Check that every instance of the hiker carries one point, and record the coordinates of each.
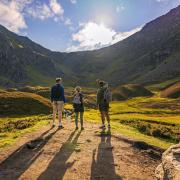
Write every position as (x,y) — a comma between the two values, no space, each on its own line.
(103,99)
(58,100)
(78,106)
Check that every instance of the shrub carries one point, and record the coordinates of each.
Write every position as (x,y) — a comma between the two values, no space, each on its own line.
(168,132)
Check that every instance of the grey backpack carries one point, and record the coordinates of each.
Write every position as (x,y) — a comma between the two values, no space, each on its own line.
(107,95)
(77,99)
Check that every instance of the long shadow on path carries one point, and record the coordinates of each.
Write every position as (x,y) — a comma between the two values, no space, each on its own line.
(20,160)
(59,165)
(103,166)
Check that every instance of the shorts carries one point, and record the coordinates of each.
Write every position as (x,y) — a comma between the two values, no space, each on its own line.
(78,107)
(104,107)
(58,106)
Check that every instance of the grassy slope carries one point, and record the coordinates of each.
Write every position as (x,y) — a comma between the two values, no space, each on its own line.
(36,77)
(164,84)
(135,110)
(20,113)
(124,115)
(11,129)
(132,111)
(129,91)
(21,103)
(172,91)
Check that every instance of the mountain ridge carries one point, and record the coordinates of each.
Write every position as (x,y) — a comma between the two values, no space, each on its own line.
(147,56)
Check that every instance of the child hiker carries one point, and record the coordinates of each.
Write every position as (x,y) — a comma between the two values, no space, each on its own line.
(78,106)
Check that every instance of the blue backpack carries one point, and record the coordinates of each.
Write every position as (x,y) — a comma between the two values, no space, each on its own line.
(57,92)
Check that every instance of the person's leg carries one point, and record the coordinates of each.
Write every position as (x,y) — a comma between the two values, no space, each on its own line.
(76,119)
(103,119)
(60,118)
(107,118)
(82,119)
(60,109)
(54,112)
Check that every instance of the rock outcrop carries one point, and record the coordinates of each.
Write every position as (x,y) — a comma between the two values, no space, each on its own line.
(169,169)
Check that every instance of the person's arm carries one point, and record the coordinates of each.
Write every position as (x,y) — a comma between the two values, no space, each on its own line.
(82,98)
(63,96)
(52,94)
(98,97)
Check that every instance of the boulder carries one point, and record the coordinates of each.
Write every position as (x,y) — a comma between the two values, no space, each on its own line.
(169,169)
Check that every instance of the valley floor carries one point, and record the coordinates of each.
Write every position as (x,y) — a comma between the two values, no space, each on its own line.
(75,155)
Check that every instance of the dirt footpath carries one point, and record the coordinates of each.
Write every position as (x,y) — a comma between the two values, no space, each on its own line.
(75,155)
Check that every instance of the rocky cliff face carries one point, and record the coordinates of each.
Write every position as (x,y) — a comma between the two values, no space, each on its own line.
(169,169)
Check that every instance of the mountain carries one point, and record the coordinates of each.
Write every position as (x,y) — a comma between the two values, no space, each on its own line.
(150,55)
(24,62)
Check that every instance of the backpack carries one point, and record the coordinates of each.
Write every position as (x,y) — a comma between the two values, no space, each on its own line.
(57,92)
(77,99)
(107,95)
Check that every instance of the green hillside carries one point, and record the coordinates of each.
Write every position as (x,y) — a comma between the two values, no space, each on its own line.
(21,103)
(129,91)
(149,56)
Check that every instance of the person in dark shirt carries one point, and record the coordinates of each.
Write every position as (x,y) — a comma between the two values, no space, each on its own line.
(57,100)
(103,104)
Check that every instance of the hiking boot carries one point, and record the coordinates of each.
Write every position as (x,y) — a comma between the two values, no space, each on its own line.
(61,127)
(102,127)
(76,128)
(82,128)
(53,125)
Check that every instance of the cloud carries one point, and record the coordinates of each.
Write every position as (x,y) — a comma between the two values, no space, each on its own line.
(14,12)
(68,22)
(161,0)
(123,35)
(93,36)
(41,12)
(11,16)
(56,7)
(21,4)
(119,8)
(44,11)
(73,1)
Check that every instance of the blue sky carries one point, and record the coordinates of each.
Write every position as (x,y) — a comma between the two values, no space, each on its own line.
(73,25)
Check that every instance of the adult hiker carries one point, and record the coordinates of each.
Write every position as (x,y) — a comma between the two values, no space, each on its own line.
(103,100)
(58,100)
(78,105)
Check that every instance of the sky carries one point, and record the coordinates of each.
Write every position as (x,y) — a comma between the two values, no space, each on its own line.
(78,25)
